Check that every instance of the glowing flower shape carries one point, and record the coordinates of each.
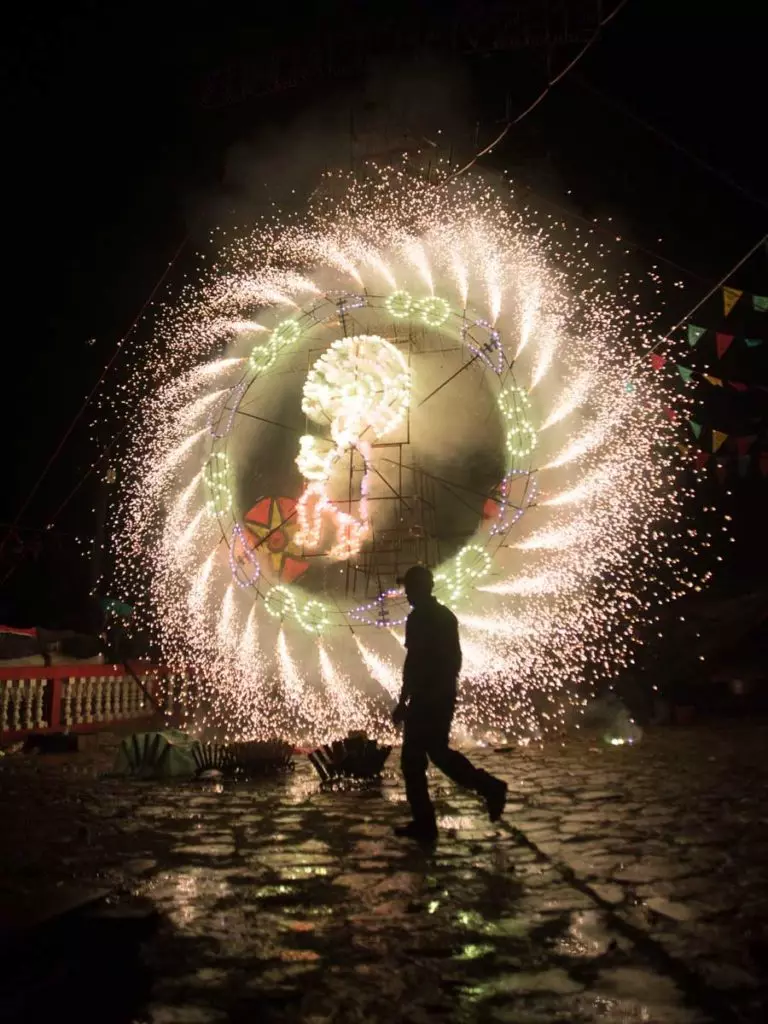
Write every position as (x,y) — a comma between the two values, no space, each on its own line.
(361,385)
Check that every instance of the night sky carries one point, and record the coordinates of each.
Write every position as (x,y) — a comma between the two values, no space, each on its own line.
(120,123)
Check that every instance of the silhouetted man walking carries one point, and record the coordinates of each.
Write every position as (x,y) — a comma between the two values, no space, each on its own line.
(426,707)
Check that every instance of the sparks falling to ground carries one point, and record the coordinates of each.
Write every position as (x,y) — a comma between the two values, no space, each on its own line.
(402,327)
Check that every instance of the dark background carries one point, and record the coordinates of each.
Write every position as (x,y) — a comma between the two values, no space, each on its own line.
(131,128)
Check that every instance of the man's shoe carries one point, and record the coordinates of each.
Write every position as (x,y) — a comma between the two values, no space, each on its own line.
(421,833)
(496,798)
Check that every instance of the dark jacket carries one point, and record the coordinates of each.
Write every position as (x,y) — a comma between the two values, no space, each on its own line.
(433,661)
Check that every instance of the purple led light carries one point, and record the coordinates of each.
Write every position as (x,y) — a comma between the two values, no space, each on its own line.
(235,393)
(492,353)
(235,566)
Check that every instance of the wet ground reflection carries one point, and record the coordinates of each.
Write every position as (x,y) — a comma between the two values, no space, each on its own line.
(308,909)
(630,885)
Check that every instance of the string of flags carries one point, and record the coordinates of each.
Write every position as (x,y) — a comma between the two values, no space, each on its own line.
(732,295)
(744,450)
(743,442)
(687,372)
(659,361)
(723,340)
(744,460)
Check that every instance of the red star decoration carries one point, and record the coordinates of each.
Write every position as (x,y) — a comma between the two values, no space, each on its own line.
(272,524)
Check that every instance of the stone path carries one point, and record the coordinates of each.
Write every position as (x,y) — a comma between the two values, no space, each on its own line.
(624,885)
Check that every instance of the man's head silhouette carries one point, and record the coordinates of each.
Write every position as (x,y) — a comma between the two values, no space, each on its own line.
(418,582)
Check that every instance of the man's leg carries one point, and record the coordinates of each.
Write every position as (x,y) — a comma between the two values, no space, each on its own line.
(414,764)
(460,770)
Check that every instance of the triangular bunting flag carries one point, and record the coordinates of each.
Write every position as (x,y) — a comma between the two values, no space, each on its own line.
(760,303)
(700,459)
(744,461)
(713,380)
(694,333)
(718,437)
(743,444)
(730,297)
(764,463)
(696,428)
(738,385)
(685,372)
(753,342)
(670,414)
(657,361)
(722,343)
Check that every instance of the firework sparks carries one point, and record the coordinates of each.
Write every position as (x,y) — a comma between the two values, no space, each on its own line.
(324,366)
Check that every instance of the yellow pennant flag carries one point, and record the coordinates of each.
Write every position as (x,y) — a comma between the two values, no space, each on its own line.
(730,297)
(718,437)
(713,380)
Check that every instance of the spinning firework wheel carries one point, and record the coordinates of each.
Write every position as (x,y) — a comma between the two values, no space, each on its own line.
(404,377)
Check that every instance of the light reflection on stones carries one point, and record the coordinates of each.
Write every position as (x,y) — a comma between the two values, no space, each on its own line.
(303,903)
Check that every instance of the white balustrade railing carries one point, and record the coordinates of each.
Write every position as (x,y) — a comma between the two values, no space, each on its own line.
(103,699)
(59,699)
(21,704)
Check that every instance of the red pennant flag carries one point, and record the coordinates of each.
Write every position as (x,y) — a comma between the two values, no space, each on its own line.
(738,385)
(701,459)
(670,414)
(743,444)
(723,343)
(657,361)
(764,463)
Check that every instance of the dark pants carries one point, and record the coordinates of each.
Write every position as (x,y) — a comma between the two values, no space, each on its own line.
(425,737)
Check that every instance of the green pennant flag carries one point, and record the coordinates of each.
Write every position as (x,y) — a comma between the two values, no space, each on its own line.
(696,428)
(753,342)
(694,333)
(760,303)
(685,372)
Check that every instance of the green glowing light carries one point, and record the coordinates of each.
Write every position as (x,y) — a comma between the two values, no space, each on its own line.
(285,333)
(474,951)
(311,615)
(433,310)
(471,564)
(264,355)
(216,476)
(399,305)
(514,405)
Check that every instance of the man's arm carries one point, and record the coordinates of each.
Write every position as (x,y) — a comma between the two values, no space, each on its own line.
(405,693)
(455,652)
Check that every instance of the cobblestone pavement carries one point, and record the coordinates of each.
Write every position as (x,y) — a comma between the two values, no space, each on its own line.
(624,885)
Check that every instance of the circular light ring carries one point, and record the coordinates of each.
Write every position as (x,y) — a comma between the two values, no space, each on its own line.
(399,304)
(433,310)
(264,355)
